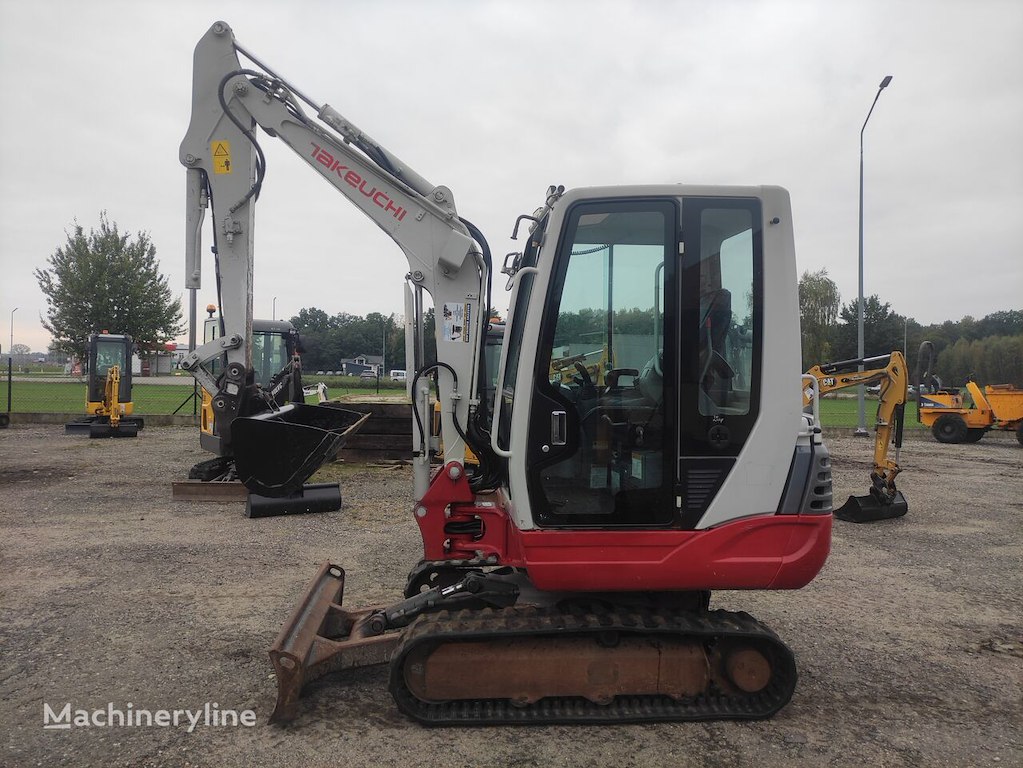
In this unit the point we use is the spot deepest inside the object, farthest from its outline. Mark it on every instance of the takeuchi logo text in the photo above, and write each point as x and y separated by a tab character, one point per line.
334	166
210	715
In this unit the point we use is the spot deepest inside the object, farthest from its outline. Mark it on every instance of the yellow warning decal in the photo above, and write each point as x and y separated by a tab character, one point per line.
221	151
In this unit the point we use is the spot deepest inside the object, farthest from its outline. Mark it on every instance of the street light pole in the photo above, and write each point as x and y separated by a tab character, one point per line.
861	428
10	348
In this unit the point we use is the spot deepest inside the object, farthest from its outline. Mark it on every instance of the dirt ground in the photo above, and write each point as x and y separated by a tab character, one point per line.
909	643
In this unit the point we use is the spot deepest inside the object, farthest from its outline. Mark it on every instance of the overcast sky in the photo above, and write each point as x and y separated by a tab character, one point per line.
497	100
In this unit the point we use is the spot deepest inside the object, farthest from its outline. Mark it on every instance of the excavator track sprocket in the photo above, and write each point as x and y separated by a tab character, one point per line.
535	665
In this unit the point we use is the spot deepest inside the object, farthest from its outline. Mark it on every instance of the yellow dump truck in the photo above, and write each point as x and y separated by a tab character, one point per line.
955	418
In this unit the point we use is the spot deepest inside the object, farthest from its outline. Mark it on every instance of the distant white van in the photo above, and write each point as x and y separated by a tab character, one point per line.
397	375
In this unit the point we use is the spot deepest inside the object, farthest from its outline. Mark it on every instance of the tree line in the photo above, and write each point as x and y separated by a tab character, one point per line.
329	339
989	350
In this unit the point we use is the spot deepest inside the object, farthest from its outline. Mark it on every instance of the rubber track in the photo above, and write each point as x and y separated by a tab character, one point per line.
532	621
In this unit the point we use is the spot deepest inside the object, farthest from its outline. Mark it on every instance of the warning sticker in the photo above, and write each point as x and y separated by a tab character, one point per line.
457	319
221	151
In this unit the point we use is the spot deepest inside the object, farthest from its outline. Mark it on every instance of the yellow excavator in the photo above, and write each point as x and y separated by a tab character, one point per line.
883	501
108	404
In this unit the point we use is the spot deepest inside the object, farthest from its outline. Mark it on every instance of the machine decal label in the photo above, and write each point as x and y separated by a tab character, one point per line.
380	198
457	321
221	151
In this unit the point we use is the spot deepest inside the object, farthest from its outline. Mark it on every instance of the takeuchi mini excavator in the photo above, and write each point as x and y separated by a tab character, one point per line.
567	577
884	501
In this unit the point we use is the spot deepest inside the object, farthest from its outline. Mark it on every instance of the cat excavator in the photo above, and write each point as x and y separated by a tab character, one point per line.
567	578
884	501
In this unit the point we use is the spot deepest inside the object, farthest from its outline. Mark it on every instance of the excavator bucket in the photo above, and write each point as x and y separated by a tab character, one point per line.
321	637
276	452
868	509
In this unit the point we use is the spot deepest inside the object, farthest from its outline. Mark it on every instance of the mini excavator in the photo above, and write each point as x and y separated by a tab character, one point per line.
884	501
108	402
566	578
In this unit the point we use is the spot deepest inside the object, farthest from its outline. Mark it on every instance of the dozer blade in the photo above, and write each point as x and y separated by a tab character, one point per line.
321	637
276	452
867	509
100	427
106	429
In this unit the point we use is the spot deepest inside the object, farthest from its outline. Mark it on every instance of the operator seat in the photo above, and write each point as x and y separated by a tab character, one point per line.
715	372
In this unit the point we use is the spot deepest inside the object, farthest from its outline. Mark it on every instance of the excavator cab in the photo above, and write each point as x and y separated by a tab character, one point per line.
676	394
106	351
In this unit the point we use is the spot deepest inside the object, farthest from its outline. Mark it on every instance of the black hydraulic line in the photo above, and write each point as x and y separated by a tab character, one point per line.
415	411
477	235
260	158
479	426
216	255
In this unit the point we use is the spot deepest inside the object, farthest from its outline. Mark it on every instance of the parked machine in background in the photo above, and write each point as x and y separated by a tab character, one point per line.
954	418
274	381
883	501
569	579
277	372
108	403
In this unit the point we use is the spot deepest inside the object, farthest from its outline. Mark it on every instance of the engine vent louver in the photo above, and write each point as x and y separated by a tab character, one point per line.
820	497
700	487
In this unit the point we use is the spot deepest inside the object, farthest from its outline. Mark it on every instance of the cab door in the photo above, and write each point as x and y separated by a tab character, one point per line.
720	334
602	436
647	381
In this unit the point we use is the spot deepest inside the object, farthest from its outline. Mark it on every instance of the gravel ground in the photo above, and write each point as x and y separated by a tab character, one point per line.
909	643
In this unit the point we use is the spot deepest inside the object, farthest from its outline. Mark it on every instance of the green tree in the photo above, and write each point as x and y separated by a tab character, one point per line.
991	360
105	280
818	309
329	339
883	330
321	339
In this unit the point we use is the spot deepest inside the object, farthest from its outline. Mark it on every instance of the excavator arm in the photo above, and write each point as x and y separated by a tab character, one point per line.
885	500
225	169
